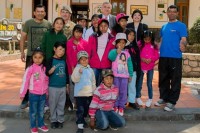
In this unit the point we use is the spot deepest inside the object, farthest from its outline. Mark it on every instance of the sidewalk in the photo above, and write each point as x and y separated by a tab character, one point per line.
11	73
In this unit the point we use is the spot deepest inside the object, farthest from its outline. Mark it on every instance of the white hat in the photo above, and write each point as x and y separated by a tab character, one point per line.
82	54
121	36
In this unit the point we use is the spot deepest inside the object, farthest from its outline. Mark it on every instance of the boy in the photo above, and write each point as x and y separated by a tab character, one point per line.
85	83
101	107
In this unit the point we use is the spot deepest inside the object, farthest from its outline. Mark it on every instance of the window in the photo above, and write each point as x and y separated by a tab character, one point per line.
118	6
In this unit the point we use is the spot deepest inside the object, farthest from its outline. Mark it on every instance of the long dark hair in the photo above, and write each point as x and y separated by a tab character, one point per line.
99	33
58	18
36	51
78	28
148	33
128	31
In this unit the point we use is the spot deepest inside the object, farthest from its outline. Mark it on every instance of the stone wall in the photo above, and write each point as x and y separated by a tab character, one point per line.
191	65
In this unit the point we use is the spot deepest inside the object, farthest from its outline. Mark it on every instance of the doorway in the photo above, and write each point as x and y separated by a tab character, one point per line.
183	6
43	2
77	10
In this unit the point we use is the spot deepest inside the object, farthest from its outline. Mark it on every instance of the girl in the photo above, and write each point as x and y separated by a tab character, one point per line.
75	44
149	55
121	24
58	83
101	107
84	79
54	35
99	45
93	28
134	51
122	70
139	27
36	81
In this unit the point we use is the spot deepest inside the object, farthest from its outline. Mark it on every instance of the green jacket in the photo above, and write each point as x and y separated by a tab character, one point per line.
48	41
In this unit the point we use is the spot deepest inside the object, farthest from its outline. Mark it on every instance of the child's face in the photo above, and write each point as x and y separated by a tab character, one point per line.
77	34
131	37
82	22
38	58
108	81
83	61
121	44
58	25
95	22
103	27
59	52
147	39
123	23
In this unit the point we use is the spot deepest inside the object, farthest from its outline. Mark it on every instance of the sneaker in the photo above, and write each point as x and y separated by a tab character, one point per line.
44	128
79	130
134	106
169	107
121	111
116	109
159	103
54	125
113	128
24	104
46	108
148	103
139	102
60	125
34	130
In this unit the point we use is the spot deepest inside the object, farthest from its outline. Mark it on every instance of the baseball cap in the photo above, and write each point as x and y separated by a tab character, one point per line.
67	8
103	20
82	54
121	15
107	72
121	36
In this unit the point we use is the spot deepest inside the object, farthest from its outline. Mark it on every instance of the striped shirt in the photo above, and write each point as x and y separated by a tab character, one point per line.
103	98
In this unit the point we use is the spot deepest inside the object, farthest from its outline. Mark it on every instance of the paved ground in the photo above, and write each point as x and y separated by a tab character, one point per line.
22	126
11	73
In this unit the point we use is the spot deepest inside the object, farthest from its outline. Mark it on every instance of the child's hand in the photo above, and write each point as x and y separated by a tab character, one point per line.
92	123
148	61
21	98
129	79
119	49
52	70
80	70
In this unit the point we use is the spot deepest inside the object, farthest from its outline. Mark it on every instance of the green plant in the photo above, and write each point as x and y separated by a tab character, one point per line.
194	33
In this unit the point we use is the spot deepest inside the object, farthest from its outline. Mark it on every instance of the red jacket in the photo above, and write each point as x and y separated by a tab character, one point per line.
94	60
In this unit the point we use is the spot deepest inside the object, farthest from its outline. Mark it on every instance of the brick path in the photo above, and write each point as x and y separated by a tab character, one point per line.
11	73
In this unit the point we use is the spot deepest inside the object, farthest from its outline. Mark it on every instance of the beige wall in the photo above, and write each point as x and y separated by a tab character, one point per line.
194	11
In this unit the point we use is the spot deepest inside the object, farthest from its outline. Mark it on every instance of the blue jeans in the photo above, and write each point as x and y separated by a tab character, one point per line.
98	76
149	83
132	89
36	112
106	118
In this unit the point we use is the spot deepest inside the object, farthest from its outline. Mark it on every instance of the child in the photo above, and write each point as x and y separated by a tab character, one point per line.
122	70
58	83
121	24
75	44
149	55
36	81
99	46
101	107
51	37
84	79
134	52
83	20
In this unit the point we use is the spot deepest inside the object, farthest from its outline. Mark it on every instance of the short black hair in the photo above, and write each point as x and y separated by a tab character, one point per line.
172	7
137	11
78	28
57	44
39	6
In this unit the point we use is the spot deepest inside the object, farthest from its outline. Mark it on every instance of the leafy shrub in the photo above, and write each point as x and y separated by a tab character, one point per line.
194	33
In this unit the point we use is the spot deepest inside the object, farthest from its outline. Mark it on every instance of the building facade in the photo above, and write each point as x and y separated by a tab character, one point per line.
154	10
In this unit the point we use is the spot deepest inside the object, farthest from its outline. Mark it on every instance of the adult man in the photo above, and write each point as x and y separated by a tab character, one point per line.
66	13
33	31
173	41
106	10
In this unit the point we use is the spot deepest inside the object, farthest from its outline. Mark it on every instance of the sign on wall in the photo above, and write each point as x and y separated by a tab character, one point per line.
161	10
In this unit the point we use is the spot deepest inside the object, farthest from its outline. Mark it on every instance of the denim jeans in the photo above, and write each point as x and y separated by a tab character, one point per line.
36	112
98	76
149	83
106	118
132	89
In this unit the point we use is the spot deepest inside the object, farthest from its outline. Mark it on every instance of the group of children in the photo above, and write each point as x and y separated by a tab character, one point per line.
49	76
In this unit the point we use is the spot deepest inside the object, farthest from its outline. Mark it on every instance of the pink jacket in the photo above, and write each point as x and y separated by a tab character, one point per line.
35	80
94	60
148	52
71	52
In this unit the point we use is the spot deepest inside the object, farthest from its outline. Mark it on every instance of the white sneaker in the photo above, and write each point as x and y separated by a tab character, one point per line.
159	103
139	101
148	103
